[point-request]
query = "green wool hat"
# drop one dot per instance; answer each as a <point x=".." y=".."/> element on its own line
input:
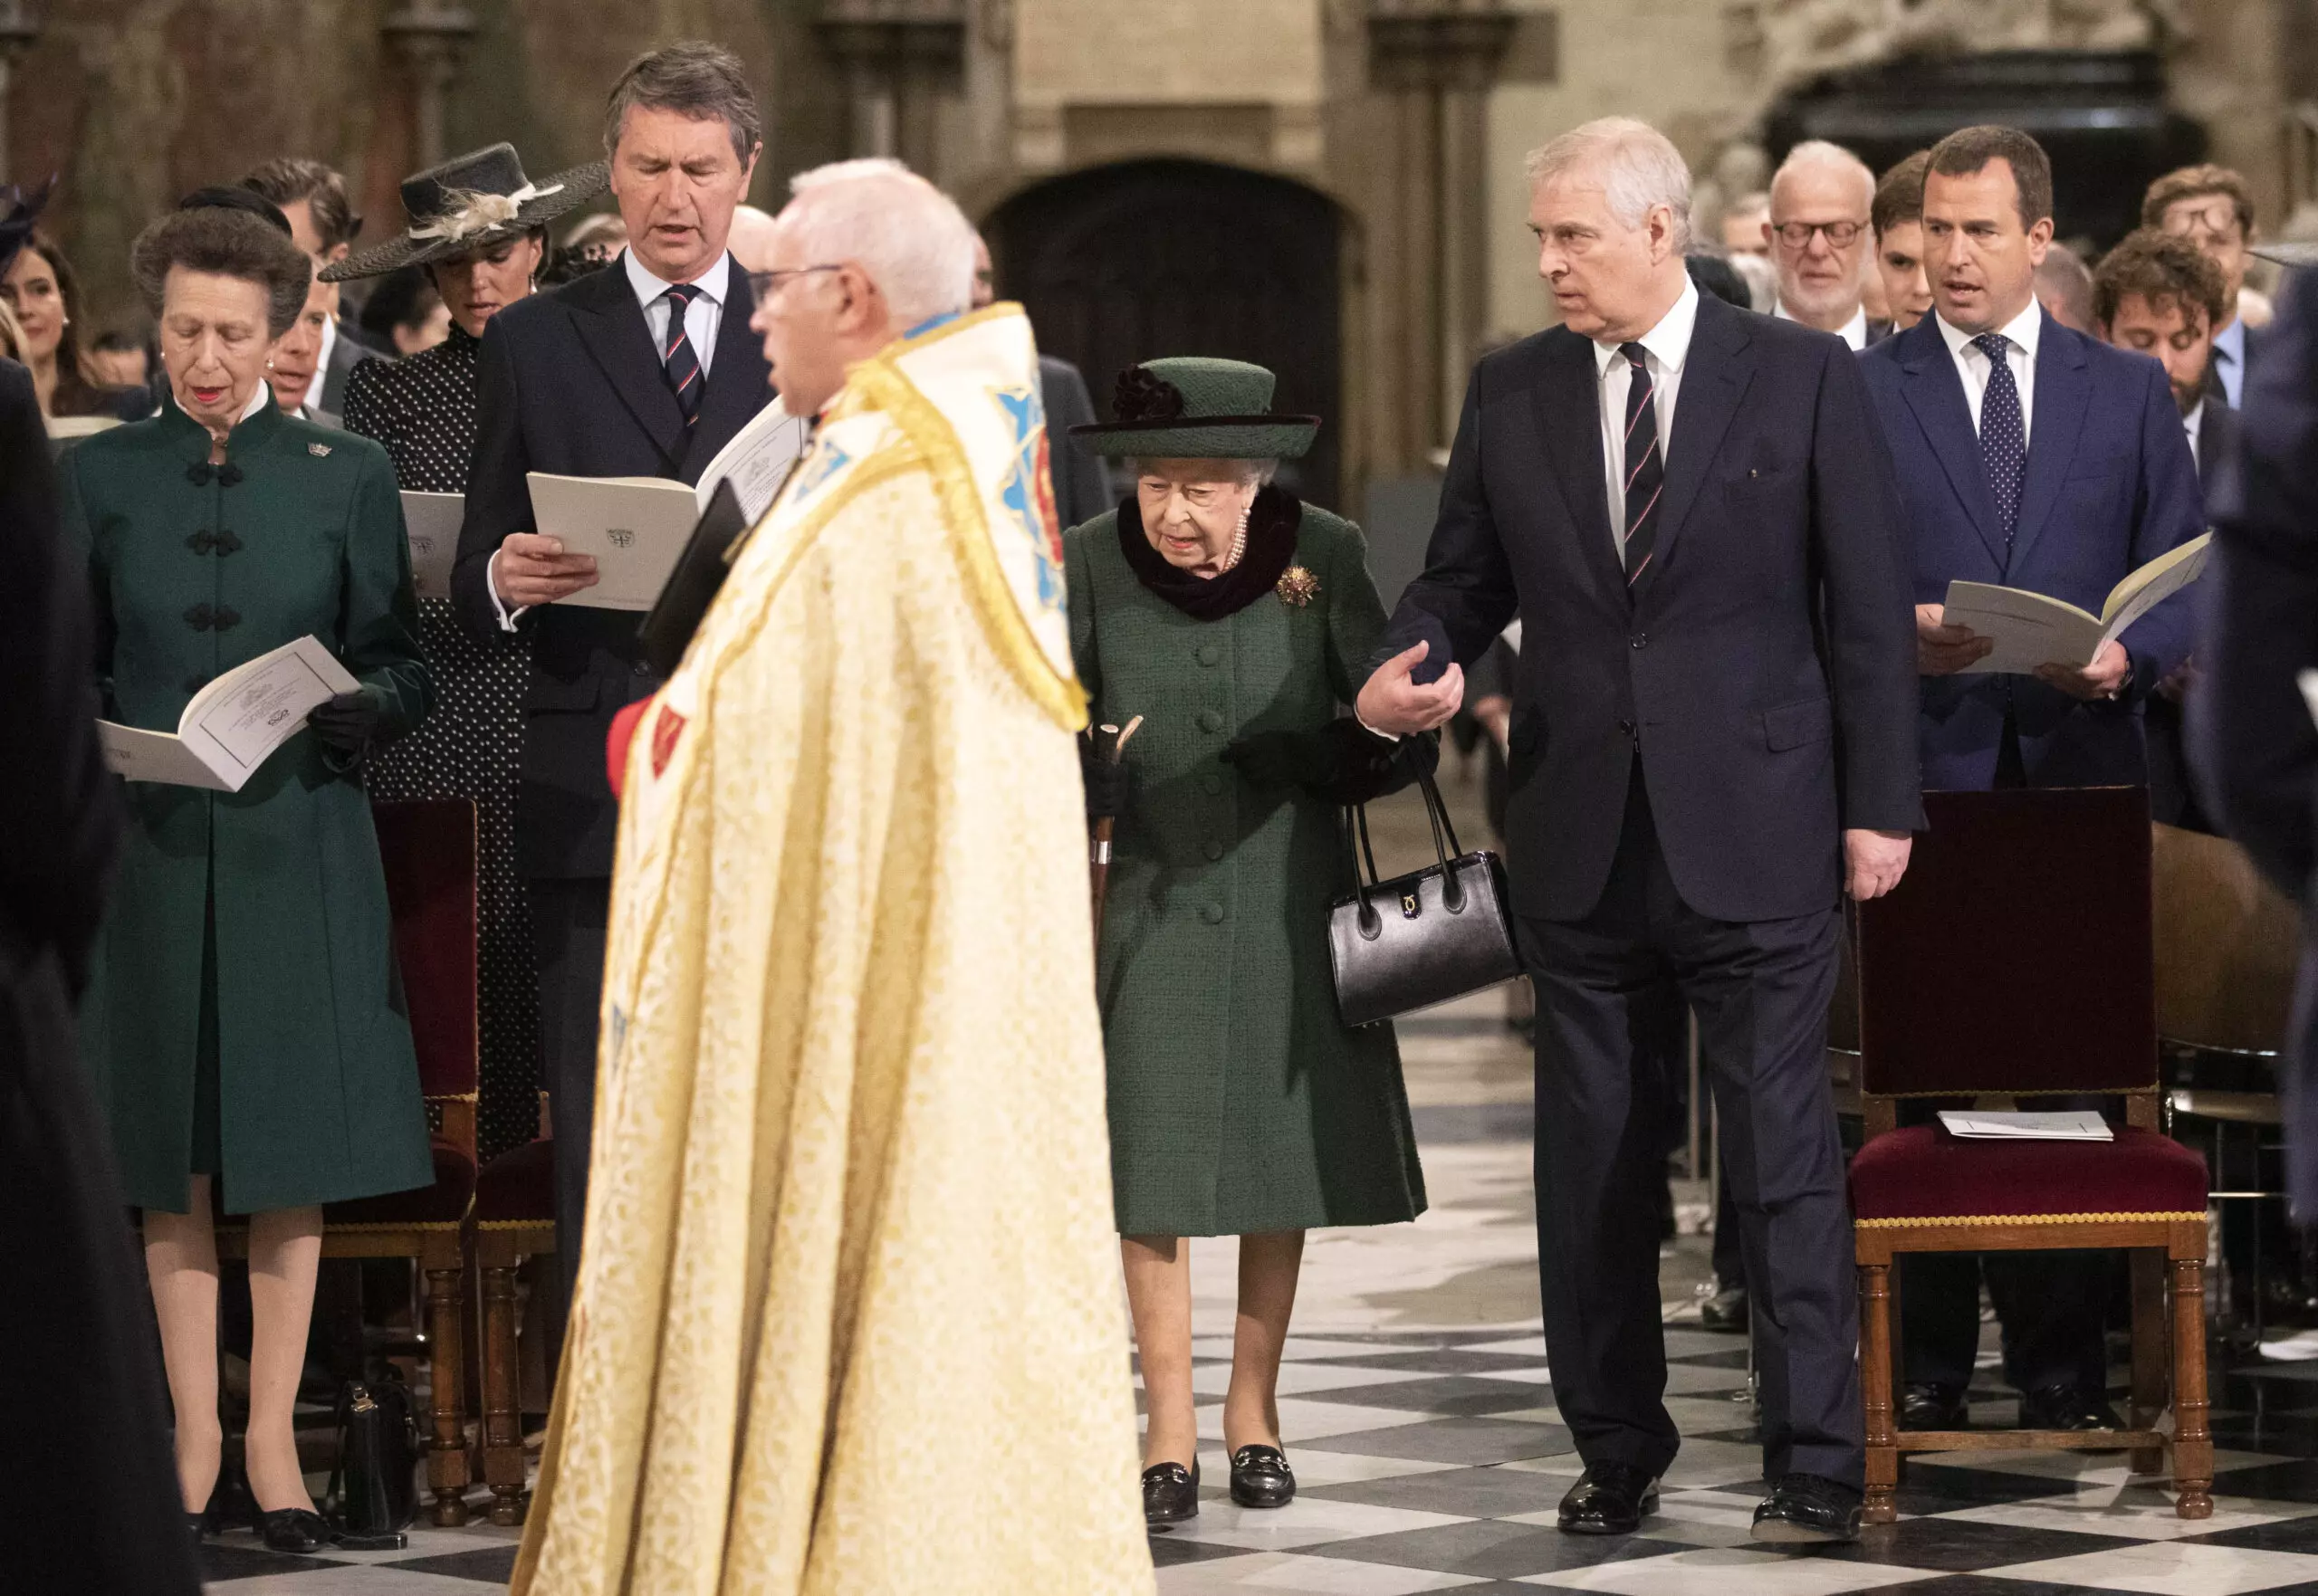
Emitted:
<point x="1198" y="408"/>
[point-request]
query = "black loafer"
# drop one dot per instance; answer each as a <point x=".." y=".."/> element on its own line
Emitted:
<point x="1725" y="1313"/>
<point x="293" y="1529"/>
<point x="1608" y="1500"/>
<point x="1933" y="1407"/>
<point x="1261" y="1477"/>
<point x="2066" y="1407"/>
<point x="1169" y="1493"/>
<point x="1808" y="1510"/>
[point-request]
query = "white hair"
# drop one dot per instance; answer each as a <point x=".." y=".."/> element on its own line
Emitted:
<point x="908" y="235"/>
<point x="1637" y="164"/>
<point x="1818" y="152"/>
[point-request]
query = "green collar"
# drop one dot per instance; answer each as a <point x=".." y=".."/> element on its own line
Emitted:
<point x="249" y="434"/>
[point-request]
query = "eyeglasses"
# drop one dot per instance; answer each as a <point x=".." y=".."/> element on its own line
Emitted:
<point x="2218" y="220"/>
<point x="764" y="284"/>
<point x="1797" y="235"/>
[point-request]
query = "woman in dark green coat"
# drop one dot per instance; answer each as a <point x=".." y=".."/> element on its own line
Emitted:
<point x="244" y="1020"/>
<point x="1237" y="622"/>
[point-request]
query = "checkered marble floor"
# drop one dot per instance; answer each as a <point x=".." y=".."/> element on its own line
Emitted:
<point x="1418" y="1417"/>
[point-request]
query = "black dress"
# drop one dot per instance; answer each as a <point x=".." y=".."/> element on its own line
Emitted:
<point x="423" y="409"/>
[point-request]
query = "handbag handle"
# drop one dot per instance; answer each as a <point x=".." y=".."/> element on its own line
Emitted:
<point x="1445" y="848"/>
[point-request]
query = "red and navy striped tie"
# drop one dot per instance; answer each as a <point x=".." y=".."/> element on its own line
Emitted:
<point x="677" y="358"/>
<point x="1645" y="463"/>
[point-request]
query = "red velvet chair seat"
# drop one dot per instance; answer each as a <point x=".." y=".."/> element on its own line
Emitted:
<point x="1922" y="1172"/>
<point x="518" y="1186"/>
<point x="443" y="1203"/>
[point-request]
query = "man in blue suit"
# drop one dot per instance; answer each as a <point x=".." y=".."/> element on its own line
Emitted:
<point x="2034" y="456"/>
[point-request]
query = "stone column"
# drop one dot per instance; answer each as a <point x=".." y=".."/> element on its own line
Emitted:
<point x="19" y="31"/>
<point x="431" y="36"/>
<point x="896" y="55"/>
<point x="1436" y="59"/>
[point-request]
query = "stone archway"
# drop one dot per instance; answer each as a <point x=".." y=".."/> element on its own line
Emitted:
<point x="1123" y="262"/>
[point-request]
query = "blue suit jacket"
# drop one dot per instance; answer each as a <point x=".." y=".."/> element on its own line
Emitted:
<point x="2111" y="485"/>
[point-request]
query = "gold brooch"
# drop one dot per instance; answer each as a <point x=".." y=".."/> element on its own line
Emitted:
<point x="1296" y="585"/>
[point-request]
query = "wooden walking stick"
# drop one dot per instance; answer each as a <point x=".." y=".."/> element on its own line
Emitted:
<point x="1110" y="747"/>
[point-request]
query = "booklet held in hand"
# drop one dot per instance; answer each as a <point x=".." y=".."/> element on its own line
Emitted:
<point x="2032" y="629"/>
<point x="234" y="724"/>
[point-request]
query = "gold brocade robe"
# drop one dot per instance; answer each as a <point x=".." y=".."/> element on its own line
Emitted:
<point x="850" y="1277"/>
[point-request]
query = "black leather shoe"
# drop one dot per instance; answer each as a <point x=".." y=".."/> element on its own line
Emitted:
<point x="1932" y="1406"/>
<point x="2066" y="1407"/>
<point x="1261" y="1477"/>
<point x="293" y="1529"/>
<point x="1610" y="1499"/>
<point x="1808" y="1510"/>
<point x="1169" y="1493"/>
<point x="1725" y="1313"/>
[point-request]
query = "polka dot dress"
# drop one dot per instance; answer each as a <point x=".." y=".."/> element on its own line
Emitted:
<point x="422" y="410"/>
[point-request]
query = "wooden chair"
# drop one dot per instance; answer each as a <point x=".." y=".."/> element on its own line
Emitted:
<point x="428" y="848"/>
<point x="514" y="1218"/>
<point x="2014" y="960"/>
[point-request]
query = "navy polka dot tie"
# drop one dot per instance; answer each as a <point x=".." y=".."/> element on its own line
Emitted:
<point x="2004" y="433"/>
<point x="677" y="358"/>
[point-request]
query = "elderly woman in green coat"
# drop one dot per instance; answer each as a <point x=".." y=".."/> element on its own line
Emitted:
<point x="1237" y="622"/>
<point x="244" y="1020"/>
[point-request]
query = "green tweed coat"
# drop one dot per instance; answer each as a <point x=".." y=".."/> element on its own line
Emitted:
<point x="317" y="1085"/>
<point x="1239" y="1102"/>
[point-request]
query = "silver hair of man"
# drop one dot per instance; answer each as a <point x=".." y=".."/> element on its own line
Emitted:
<point x="1818" y="152"/>
<point x="908" y="235"/>
<point x="1637" y="165"/>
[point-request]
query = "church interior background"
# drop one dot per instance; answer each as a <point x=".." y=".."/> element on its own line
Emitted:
<point x="1333" y="188"/>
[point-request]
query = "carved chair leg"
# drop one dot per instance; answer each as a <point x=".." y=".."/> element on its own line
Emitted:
<point x="2193" y="1439"/>
<point x="502" y="1429"/>
<point x="447" y="1473"/>
<point x="1875" y="1386"/>
<point x="2149" y="1341"/>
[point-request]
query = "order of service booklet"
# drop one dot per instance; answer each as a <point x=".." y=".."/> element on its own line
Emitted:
<point x="636" y="526"/>
<point x="432" y="522"/>
<point x="233" y="724"/>
<point x="2031" y="629"/>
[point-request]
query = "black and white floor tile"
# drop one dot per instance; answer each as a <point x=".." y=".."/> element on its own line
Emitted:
<point x="1417" y="1415"/>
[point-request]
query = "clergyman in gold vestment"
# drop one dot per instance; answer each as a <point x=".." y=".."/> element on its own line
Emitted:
<point x="850" y="1279"/>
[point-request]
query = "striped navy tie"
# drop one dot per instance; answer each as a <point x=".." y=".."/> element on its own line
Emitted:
<point x="677" y="358"/>
<point x="1645" y="463"/>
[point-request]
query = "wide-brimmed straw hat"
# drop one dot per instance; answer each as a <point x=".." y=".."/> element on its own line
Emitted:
<point x="1198" y="408"/>
<point x="476" y="201"/>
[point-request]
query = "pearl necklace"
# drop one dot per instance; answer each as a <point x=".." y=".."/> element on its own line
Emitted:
<point x="1239" y="541"/>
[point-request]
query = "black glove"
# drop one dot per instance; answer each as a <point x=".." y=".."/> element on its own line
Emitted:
<point x="1342" y="762"/>
<point x="1107" y="783"/>
<point x="347" y="726"/>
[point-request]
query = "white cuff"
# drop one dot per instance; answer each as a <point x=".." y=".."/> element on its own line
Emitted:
<point x="1372" y="730"/>
<point x="507" y="619"/>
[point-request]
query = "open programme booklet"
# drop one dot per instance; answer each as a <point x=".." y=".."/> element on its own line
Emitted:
<point x="233" y="724"/>
<point x="2012" y="1126"/>
<point x="636" y="526"/>
<point x="432" y="521"/>
<point x="2031" y="629"/>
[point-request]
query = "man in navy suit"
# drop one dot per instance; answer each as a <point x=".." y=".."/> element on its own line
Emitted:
<point x="2213" y="208"/>
<point x="1689" y="509"/>
<point x="644" y="369"/>
<point x="2039" y="458"/>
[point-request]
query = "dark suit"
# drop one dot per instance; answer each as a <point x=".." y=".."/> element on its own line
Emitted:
<point x="1684" y="757"/>
<point x="1082" y="489"/>
<point x="569" y="382"/>
<point x="2173" y="798"/>
<point x="93" y="1508"/>
<point x="2110" y="486"/>
<point x="2250" y="732"/>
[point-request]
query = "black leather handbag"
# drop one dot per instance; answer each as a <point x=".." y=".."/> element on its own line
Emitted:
<point x="1400" y="945"/>
<point x="374" y="1490"/>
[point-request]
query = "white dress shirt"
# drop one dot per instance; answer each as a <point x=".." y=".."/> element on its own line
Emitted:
<point x="313" y="400"/>
<point x="2194" y="424"/>
<point x="703" y="316"/>
<point x="2229" y="360"/>
<point x="2021" y="333"/>
<point x="1665" y="348"/>
<point x="1852" y="333"/>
